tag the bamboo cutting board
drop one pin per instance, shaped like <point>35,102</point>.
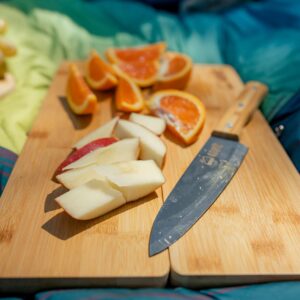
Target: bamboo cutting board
<point>250,231</point>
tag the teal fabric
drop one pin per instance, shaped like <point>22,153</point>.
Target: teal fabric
<point>268,291</point>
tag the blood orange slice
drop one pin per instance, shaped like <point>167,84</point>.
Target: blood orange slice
<point>175,71</point>
<point>141,53</point>
<point>99,74</point>
<point>183,112</point>
<point>143,73</point>
<point>128,96</point>
<point>80,98</point>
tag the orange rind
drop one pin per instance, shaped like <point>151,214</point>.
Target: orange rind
<point>99,74</point>
<point>79,96</point>
<point>174,72</point>
<point>140,53</point>
<point>128,96</point>
<point>184,113</point>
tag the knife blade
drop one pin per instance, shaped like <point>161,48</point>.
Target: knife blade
<point>208,174</point>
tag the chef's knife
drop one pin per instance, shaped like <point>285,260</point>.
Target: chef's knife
<point>208,174</point>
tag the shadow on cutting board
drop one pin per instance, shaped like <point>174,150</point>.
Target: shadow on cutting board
<point>79,122</point>
<point>50,203</point>
<point>72,227</point>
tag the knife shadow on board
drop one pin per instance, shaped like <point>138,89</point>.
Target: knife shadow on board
<point>73,227</point>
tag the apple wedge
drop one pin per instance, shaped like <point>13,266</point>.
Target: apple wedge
<point>101,132</point>
<point>134,179</point>
<point>77,154</point>
<point>76,177</point>
<point>91,200</point>
<point>155,124</point>
<point>124,150</point>
<point>152,147</point>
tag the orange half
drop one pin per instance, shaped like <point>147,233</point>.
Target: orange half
<point>80,98</point>
<point>184,113</point>
<point>140,53</point>
<point>175,71</point>
<point>99,74</point>
<point>143,73</point>
<point>128,96</point>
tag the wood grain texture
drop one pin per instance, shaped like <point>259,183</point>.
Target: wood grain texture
<point>251,233</point>
<point>38,241</point>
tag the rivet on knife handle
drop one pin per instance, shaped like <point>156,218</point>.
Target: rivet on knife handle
<point>239,113</point>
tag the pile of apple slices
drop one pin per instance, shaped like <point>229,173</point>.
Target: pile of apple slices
<point>117,163</point>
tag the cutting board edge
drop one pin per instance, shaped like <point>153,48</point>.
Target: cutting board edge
<point>33,285</point>
<point>214,280</point>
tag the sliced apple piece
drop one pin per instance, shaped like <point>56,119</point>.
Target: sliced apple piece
<point>152,147</point>
<point>134,179</point>
<point>124,150</point>
<point>91,200</point>
<point>77,154</point>
<point>155,124</point>
<point>104,131</point>
<point>76,177</point>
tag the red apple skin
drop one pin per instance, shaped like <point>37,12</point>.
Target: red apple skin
<point>75,155</point>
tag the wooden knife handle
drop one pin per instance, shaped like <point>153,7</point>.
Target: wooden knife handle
<point>239,113</point>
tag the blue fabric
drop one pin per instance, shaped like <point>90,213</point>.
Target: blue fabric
<point>7,162</point>
<point>289,118</point>
<point>268,291</point>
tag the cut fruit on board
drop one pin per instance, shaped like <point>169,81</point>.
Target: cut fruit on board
<point>140,53</point>
<point>152,147</point>
<point>77,154</point>
<point>155,124</point>
<point>91,200</point>
<point>76,177</point>
<point>79,96</point>
<point>103,131</point>
<point>99,74</point>
<point>134,179</point>
<point>183,112</point>
<point>175,71</point>
<point>128,96</point>
<point>124,150</point>
<point>143,73</point>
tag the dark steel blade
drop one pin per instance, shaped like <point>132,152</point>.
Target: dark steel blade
<point>197,189</point>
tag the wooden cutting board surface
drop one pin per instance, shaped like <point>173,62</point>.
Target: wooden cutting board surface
<point>250,233</point>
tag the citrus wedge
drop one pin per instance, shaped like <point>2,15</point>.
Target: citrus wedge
<point>175,71</point>
<point>80,98</point>
<point>99,74</point>
<point>183,112</point>
<point>143,73</point>
<point>140,53</point>
<point>128,96</point>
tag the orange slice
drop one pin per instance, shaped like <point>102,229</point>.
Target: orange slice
<point>143,73</point>
<point>80,98</point>
<point>99,74</point>
<point>128,96</point>
<point>175,71</point>
<point>183,112</point>
<point>140,53</point>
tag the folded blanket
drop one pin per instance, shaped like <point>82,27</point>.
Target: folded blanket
<point>260,39</point>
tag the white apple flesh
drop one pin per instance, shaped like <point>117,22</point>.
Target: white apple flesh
<point>76,177</point>
<point>135,179</point>
<point>152,147</point>
<point>104,131</point>
<point>91,200</point>
<point>155,124</point>
<point>123,150</point>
